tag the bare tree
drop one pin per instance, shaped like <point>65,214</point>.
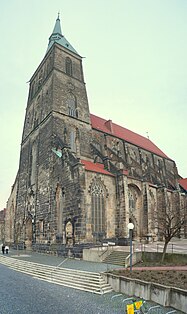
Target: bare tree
<point>171,216</point>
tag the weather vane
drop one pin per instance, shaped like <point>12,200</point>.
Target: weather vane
<point>147,134</point>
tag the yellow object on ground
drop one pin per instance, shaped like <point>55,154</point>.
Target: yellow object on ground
<point>138,304</point>
<point>130,308</point>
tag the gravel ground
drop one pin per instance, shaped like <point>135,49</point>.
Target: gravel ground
<point>23,294</point>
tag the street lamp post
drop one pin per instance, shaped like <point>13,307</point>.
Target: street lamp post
<point>33,220</point>
<point>33,230</point>
<point>130,226</point>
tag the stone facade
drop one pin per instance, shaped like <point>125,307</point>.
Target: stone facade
<point>2,225</point>
<point>10,215</point>
<point>77,183</point>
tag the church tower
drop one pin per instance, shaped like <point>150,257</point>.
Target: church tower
<point>82,178</point>
<point>57,120</point>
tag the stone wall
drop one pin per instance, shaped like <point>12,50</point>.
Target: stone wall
<point>163,295</point>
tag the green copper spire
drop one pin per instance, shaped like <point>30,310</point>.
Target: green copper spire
<point>57,37</point>
<point>57,28</point>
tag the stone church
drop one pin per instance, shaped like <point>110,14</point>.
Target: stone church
<point>82,178</point>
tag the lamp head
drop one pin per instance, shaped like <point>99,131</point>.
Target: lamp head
<point>130,226</point>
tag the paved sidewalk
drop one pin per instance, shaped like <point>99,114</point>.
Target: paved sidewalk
<point>72,263</point>
<point>57,261</point>
<point>174,246</point>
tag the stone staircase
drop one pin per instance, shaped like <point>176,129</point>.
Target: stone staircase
<point>77,279</point>
<point>116,258</point>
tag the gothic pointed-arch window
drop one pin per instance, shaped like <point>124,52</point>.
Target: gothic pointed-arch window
<point>32,90</point>
<point>72,141</point>
<point>72,107</point>
<point>35,124</point>
<point>68,66</point>
<point>33,164</point>
<point>98,206</point>
<point>28,120</point>
<point>132,201</point>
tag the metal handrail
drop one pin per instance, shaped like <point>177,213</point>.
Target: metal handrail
<point>56,267</point>
<point>103,252</point>
<point>126,259</point>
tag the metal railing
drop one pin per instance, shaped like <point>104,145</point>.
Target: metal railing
<point>158,247</point>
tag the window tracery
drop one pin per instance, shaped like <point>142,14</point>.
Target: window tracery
<point>72,108</point>
<point>132,201</point>
<point>72,141</point>
<point>133,194</point>
<point>98,193</point>
<point>68,66</point>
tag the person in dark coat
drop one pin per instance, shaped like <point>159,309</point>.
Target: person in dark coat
<point>3,248</point>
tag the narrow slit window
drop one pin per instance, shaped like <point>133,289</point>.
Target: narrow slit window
<point>68,66</point>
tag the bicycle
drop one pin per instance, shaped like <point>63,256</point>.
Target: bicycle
<point>139,306</point>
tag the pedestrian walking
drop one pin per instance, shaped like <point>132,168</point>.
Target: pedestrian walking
<point>3,248</point>
<point>6,249</point>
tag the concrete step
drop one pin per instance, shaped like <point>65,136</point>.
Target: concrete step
<point>116,258</point>
<point>54,272</point>
<point>77,279</point>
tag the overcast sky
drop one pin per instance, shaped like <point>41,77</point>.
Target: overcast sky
<point>135,68</point>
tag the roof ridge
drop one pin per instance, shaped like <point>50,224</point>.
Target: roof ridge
<point>126,134</point>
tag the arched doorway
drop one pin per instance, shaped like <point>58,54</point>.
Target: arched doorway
<point>69,232</point>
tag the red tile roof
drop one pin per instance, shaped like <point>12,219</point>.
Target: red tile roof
<point>125,172</point>
<point>109,127</point>
<point>183,183</point>
<point>95,167</point>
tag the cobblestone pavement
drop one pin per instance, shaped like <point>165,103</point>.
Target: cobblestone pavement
<point>22,294</point>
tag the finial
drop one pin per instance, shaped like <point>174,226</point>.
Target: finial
<point>58,15</point>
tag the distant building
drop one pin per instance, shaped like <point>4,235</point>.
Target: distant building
<point>82,178</point>
<point>2,225</point>
<point>10,235</point>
